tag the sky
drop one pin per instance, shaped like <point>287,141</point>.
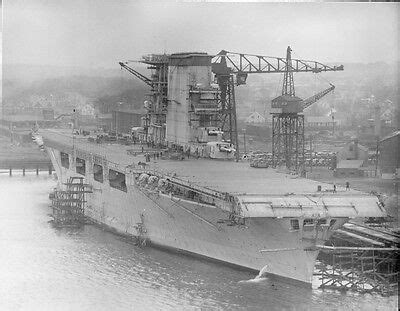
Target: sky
<point>99,33</point>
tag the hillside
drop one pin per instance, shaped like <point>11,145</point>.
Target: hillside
<point>66,87</point>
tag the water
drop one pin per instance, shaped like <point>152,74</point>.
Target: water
<point>43,268</point>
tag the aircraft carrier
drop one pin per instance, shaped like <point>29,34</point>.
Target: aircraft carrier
<point>183,186</point>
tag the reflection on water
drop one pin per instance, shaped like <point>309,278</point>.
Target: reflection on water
<point>44,268</point>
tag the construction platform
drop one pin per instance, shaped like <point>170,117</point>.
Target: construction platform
<point>360,258</point>
<point>356,234</point>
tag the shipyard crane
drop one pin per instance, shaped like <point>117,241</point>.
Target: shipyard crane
<point>313,99</point>
<point>137,74</point>
<point>157,105</point>
<point>231,69</point>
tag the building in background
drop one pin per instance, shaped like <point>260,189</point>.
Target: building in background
<point>349,168</point>
<point>258,126</point>
<point>123,119</point>
<point>352,160</point>
<point>353,151</point>
<point>255,118</point>
<point>104,121</point>
<point>322,123</point>
<point>389,155</point>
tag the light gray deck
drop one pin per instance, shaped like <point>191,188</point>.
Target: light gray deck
<point>219,175</point>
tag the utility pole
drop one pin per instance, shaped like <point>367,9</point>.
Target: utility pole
<point>311,154</point>
<point>244,140</point>
<point>376,156</point>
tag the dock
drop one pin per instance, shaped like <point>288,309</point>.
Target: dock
<point>23,157</point>
<point>25,165</point>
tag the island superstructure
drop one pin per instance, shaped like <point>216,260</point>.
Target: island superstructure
<point>209,204</point>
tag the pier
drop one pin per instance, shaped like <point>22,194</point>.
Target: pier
<point>26,165</point>
<point>23,157</point>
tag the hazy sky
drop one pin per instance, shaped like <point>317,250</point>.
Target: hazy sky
<point>103,32</point>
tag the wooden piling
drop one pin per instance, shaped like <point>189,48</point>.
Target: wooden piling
<point>23,171</point>
<point>37,170</point>
<point>10,171</point>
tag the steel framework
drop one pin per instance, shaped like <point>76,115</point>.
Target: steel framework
<point>250,63</point>
<point>227,109</point>
<point>157,106</point>
<point>288,140</point>
<point>288,128</point>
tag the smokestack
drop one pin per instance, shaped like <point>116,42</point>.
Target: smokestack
<point>356,148</point>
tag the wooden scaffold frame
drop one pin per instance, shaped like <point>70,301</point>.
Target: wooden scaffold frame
<point>69,205</point>
<point>362,269</point>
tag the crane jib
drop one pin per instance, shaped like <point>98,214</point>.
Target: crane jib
<point>249,63</point>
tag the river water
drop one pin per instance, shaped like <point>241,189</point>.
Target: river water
<point>44,268</point>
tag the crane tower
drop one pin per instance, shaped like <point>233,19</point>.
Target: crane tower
<point>288,121</point>
<point>192,99</point>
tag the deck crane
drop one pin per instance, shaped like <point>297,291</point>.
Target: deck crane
<point>137,74</point>
<point>231,69</point>
<point>157,105</point>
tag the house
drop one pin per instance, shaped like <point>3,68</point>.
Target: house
<point>87,110</point>
<point>255,118</point>
<point>349,168</point>
<point>353,151</point>
<point>323,122</point>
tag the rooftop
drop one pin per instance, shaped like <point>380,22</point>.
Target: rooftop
<point>287,98</point>
<point>350,164</point>
<point>319,119</point>
<point>396,133</point>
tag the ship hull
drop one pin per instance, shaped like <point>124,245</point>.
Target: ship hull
<point>198,229</point>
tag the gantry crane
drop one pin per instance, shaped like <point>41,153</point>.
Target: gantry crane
<point>232,69</point>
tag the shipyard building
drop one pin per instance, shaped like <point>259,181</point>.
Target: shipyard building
<point>389,158</point>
